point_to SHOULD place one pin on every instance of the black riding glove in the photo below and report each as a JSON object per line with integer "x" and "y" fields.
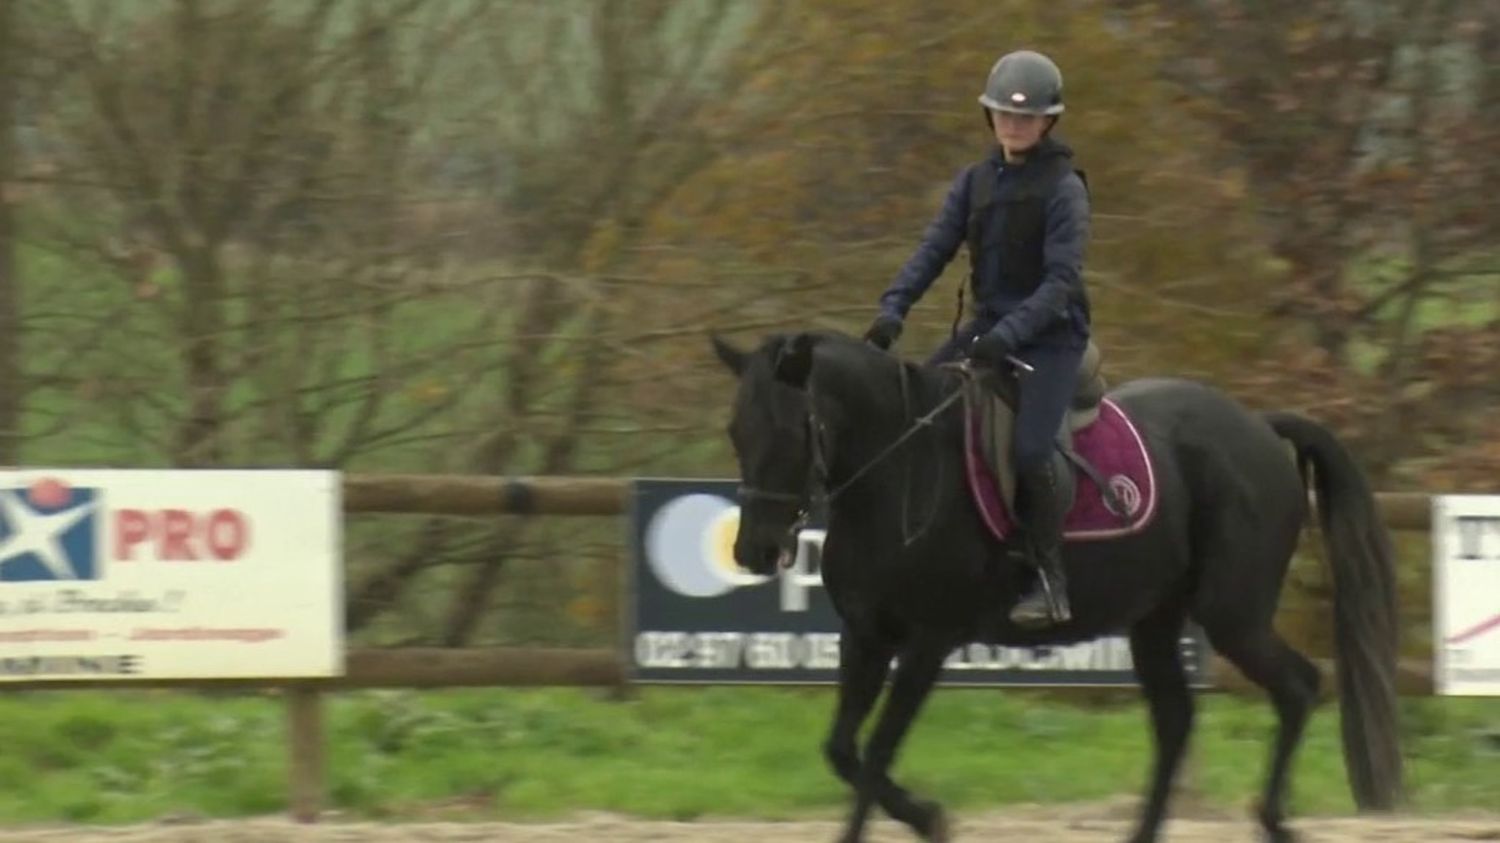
{"x": 991, "y": 349}
{"x": 883, "y": 332}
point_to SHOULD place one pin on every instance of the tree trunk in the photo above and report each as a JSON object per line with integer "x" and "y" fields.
{"x": 11, "y": 390}
{"x": 200, "y": 437}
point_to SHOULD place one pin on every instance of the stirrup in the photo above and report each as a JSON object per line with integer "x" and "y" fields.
{"x": 1054, "y": 608}
{"x": 1057, "y": 604}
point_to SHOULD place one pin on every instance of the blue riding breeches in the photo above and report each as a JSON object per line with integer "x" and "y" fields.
{"x": 1045, "y": 393}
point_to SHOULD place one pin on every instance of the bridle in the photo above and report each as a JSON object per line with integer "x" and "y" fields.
{"x": 818, "y": 477}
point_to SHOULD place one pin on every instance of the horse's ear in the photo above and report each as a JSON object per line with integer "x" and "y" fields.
{"x": 732, "y": 357}
{"x": 794, "y": 361}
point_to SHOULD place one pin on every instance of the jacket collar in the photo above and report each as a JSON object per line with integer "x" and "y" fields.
{"x": 1049, "y": 147}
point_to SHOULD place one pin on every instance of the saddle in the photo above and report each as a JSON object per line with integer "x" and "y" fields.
{"x": 990, "y": 398}
{"x": 1105, "y": 467}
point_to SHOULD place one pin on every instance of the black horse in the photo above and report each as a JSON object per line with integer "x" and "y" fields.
{"x": 913, "y": 573}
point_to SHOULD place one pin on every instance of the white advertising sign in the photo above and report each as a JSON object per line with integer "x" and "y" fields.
{"x": 170, "y": 574}
{"x": 1466, "y": 594}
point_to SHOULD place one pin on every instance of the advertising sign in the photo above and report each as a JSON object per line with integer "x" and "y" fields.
{"x": 169, "y": 574}
{"x": 1466, "y": 594}
{"x": 699, "y": 618}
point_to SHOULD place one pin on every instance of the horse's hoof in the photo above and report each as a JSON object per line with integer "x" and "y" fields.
{"x": 1281, "y": 835}
{"x": 936, "y": 828}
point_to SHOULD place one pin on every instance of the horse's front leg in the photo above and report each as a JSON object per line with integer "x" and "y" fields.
{"x": 864, "y": 663}
{"x": 916, "y": 673}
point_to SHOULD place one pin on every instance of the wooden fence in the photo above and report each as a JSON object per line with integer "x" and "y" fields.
{"x": 446, "y": 494}
{"x": 521, "y": 667}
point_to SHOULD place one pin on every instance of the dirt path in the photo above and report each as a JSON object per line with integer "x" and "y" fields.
{"x": 1088, "y": 824}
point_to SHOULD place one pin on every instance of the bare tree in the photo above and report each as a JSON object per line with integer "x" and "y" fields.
{"x": 1362, "y": 128}
{"x": 599, "y": 118}
{"x": 249, "y": 164}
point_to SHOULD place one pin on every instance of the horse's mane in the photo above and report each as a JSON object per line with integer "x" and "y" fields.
{"x": 837, "y": 364}
{"x": 854, "y": 354}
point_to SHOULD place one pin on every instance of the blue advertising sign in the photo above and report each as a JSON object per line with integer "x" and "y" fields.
{"x": 697, "y": 617}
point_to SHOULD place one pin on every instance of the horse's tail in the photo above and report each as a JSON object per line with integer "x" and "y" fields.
{"x": 1364, "y": 609}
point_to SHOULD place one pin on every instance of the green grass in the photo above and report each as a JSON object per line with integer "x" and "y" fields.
{"x": 673, "y": 753}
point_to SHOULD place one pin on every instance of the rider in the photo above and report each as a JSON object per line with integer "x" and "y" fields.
{"x": 1024, "y": 214}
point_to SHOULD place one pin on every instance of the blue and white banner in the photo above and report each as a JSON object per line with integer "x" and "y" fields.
{"x": 170, "y": 574}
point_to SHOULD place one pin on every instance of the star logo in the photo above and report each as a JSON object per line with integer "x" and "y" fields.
{"x": 46, "y": 533}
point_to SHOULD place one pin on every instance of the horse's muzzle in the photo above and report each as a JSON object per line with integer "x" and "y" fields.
{"x": 764, "y": 557}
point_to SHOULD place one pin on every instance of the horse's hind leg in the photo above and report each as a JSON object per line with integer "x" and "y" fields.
{"x": 1292, "y": 682}
{"x": 1157, "y": 655}
{"x": 916, "y": 673}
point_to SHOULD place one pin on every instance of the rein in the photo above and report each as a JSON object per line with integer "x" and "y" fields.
{"x": 806, "y": 499}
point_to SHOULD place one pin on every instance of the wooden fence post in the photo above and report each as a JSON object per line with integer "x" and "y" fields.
{"x": 305, "y": 752}
{"x": 624, "y": 624}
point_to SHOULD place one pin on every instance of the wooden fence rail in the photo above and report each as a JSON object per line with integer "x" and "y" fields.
{"x": 406, "y": 667}
{"x": 431, "y": 494}
{"x": 446, "y": 494}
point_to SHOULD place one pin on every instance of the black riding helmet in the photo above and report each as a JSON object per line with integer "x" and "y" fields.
{"x": 1023, "y": 82}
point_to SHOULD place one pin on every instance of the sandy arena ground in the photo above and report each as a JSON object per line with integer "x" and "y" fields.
{"x": 1088, "y": 824}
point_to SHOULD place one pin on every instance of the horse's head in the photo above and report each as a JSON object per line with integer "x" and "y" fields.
{"x": 772, "y": 434}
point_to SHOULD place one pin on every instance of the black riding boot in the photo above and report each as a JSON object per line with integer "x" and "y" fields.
{"x": 1043, "y": 498}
